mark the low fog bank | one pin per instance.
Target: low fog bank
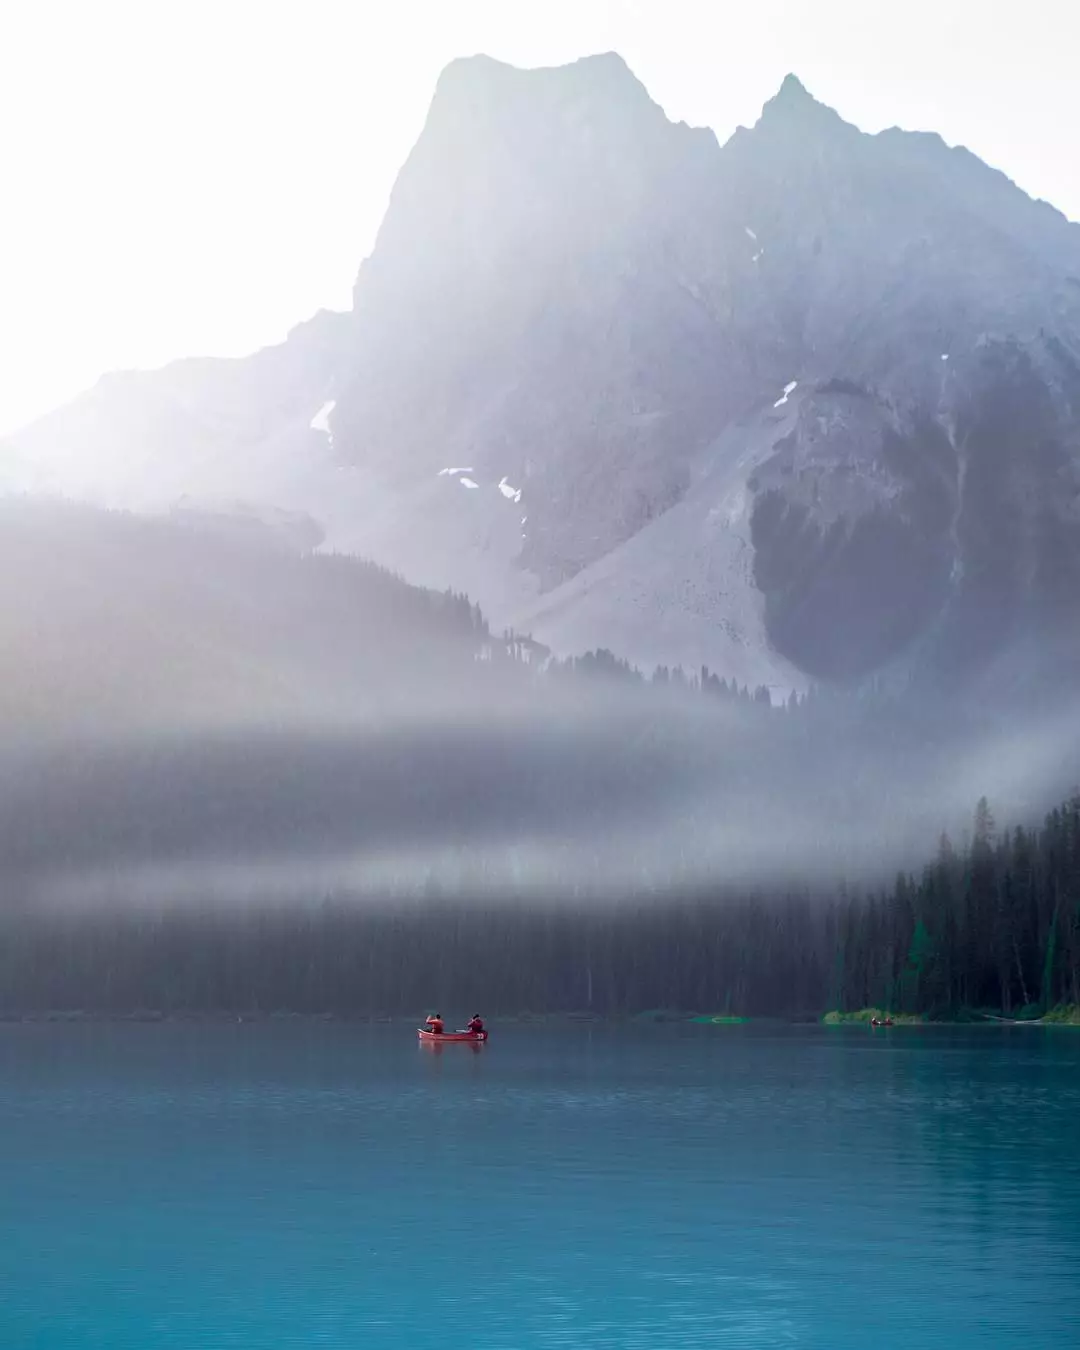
(981, 927)
(194, 713)
(611, 793)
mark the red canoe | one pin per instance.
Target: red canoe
(451, 1036)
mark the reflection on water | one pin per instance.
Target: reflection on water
(302, 1185)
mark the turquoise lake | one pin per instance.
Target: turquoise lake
(264, 1185)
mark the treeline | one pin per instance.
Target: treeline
(994, 924)
(345, 960)
(602, 663)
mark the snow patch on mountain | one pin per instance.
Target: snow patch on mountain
(510, 493)
(321, 420)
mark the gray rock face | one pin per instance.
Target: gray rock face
(803, 405)
(880, 332)
(529, 308)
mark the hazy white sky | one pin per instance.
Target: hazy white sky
(195, 176)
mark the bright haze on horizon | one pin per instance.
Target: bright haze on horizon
(194, 178)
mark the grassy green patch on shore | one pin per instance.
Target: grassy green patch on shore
(1064, 1015)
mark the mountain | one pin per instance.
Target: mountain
(802, 406)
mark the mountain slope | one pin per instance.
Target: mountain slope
(220, 429)
(113, 625)
(805, 405)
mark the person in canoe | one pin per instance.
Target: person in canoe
(476, 1025)
(435, 1025)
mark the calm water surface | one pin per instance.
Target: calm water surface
(264, 1186)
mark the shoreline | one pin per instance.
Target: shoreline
(153, 1017)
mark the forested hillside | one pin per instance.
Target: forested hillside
(111, 623)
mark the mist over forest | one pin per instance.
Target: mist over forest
(239, 776)
(213, 703)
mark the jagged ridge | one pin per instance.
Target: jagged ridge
(805, 403)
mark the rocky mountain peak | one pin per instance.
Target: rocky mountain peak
(474, 77)
(481, 103)
(515, 159)
(793, 109)
(792, 91)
